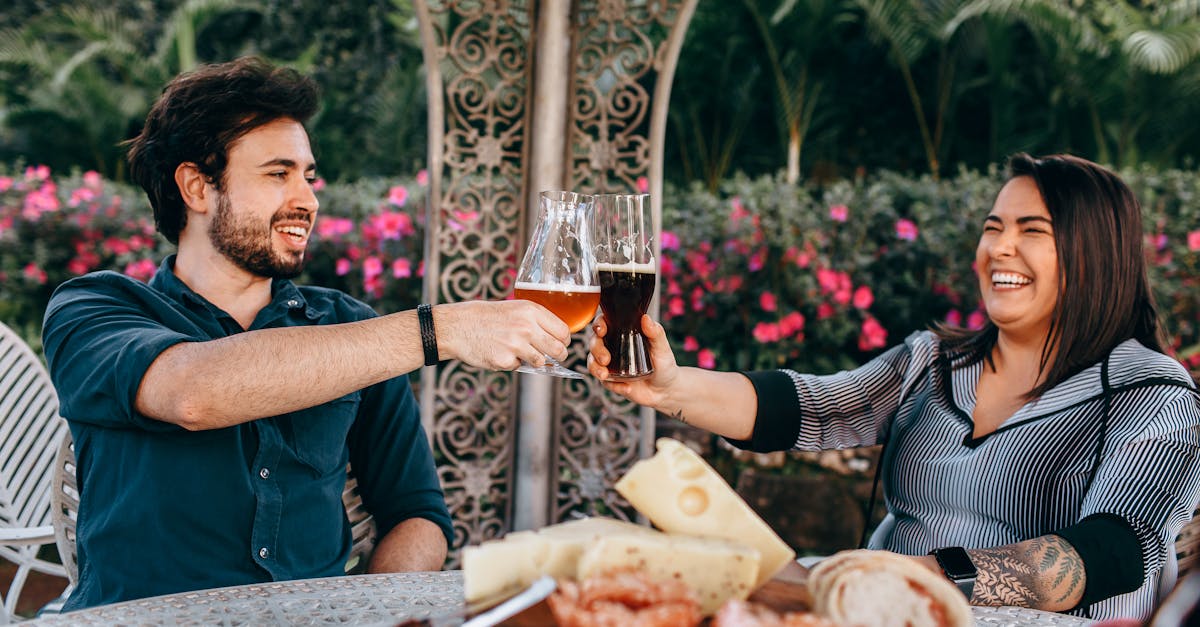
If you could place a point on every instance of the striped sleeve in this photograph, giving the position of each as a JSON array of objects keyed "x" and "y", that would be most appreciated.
[
  {"x": 843, "y": 410},
  {"x": 1149, "y": 479}
]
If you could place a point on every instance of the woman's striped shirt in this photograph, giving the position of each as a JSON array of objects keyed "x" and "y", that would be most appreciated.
[{"x": 1028, "y": 478}]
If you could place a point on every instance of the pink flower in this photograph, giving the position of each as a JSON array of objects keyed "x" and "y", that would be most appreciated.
[
  {"x": 32, "y": 272},
  {"x": 37, "y": 173},
  {"x": 667, "y": 266},
  {"x": 318, "y": 185},
  {"x": 142, "y": 269},
  {"x": 791, "y": 323},
  {"x": 393, "y": 224},
  {"x": 758, "y": 259},
  {"x": 1160, "y": 241},
  {"x": 697, "y": 299},
  {"x": 402, "y": 268},
  {"x": 372, "y": 267},
  {"x": 839, "y": 213},
  {"x": 92, "y": 180},
  {"x": 81, "y": 195},
  {"x": 766, "y": 332},
  {"x": 1194, "y": 240},
  {"x": 824, "y": 311},
  {"x": 670, "y": 241},
  {"x": 872, "y": 335},
  {"x": 705, "y": 359},
  {"x": 737, "y": 210},
  {"x": 766, "y": 300},
  {"x": 421, "y": 268},
  {"x": 906, "y": 230},
  {"x": 675, "y": 306},
  {"x": 460, "y": 217},
  {"x": 643, "y": 184},
  {"x": 954, "y": 318},
  {"x": 333, "y": 227},
  {"x": 117, "y": 247},
  {"x": 422, "y": 177},
  {"x": 827, "y": 279},
  {"x": 863, "y": 297},
  {"x": 975, "y": 320},
  {"x": 6, "y": 183},
  {"x": 398, "y": 195},
  {"x": 842, "y": 296},
  {"x": 342, "y": 266},
  {"x": 690, "y": 344}
]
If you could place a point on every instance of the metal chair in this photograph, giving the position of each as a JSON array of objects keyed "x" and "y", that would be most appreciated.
[
  {"x": 65, "y": 497},
  {"x": 30, "y": 429}
]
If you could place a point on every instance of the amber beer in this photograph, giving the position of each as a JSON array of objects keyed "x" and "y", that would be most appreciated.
[
  {"x": 573, "y": 304},
  {"x": 625, "y": 293}
]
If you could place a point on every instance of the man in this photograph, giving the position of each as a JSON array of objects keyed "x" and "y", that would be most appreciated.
[{"x": 214, "y": 410}]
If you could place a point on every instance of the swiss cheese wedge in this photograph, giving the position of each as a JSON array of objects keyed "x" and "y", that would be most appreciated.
[{"x": 680, "y": 493}]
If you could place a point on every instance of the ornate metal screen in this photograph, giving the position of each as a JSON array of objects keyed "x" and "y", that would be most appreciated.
[{"x": 480, "y": 60}]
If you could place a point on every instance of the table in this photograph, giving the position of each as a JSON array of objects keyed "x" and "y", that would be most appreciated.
[{"x": 366, "y": 599}]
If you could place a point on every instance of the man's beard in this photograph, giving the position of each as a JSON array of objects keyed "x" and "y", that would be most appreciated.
[{"x": 242, "y": 241}]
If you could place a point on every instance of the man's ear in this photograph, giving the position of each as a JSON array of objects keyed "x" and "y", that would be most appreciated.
[{"x": 193, "y": 186}]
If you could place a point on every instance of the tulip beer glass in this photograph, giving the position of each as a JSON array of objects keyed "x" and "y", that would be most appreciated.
[
  {"x": 559, "y": 269},
  {"x": 627, "y": 269}
]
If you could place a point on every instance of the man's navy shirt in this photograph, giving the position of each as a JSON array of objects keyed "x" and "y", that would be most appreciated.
[{"x": 166, "y": 510}]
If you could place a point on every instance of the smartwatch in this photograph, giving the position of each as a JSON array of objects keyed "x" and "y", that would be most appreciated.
[{"x": 958, "y": 568}]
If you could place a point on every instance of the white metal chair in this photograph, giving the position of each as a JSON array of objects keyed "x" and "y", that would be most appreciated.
[
  {"x": 65, "y": 497},
  {"x": 30, "y": 430}
]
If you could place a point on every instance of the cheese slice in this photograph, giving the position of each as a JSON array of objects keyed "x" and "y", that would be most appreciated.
[
  {"x": 518, "y": 559},
  {"x": 680, "y": 493},
  {"x": 716, "y": 569}
]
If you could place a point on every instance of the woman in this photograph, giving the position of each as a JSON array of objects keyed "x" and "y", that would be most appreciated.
[{"x": 1057, "y": 445}]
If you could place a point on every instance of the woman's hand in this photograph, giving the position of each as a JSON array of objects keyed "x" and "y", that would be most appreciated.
[{"x": 651, "y": 391}]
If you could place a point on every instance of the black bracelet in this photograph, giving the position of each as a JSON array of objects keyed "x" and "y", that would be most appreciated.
[{"x": 428, "y": 336}]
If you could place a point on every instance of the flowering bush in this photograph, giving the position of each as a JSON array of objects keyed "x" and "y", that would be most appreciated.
[{"x": 760, "y": 275}]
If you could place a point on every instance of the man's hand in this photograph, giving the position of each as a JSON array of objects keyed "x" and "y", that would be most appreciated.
[{"x": 499, "y": 335}]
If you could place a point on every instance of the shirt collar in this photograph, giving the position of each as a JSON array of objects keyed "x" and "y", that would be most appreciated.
[{"x": 284, "y": 293}]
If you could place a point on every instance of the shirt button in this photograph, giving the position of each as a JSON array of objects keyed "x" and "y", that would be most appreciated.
[
  {"x": 293, "y": 303},
  {"x": 264, "y": 473},
  {"x": 263, "y": 552}
]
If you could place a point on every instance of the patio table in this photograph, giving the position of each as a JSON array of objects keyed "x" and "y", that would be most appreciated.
[{"x": 365, "y": 599}]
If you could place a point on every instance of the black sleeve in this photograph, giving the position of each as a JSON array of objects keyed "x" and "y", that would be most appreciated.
[
  {"x": 774, "y": 430},
  {"x": 1111, "y": 554}
]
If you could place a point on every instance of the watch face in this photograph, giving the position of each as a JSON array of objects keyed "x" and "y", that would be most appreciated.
[{"x": 955, "y": 562}]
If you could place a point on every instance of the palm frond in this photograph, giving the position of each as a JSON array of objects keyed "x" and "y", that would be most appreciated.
[{"x": 1163, "y": 51}]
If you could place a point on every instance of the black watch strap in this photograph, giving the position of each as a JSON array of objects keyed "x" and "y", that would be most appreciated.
[
  {"x": 428, "y": 335},
  {"x": 956, "y": 564}
]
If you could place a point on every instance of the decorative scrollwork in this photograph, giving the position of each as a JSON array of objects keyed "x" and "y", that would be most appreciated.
[{"x": 480, "y": 48}]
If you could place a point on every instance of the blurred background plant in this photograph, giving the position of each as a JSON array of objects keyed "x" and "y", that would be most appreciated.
[{"x": 759, "y": 275}]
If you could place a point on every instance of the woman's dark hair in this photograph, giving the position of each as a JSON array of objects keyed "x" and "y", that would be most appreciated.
[
  {"x": 1104, "y": 296},
  {"x": 199, "y": 115}
]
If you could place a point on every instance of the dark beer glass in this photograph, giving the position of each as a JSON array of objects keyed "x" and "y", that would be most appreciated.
[{"x": 627, "y": 270}]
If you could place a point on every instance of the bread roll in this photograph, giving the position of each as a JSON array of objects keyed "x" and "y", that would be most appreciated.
[{"x": 883, "y": 589}]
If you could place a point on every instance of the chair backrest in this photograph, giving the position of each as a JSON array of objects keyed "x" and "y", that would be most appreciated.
[
  {"x": 29, "y": 431},
  {"x": 65, "y": 495},
  {"x": 1187, "y": 546}
]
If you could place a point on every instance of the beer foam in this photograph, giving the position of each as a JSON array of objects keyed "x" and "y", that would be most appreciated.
[
  {"x": 640, "y": 268},
  {"x": 556, "y": 287}
]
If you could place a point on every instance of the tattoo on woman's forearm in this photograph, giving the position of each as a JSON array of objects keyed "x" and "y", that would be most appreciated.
[
  {"x": 1045, "y": 571},
  {"x": 678, "y": 415}
]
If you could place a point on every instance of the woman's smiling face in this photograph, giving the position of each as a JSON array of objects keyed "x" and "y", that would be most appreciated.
[{"x": 1017, "y": 261}]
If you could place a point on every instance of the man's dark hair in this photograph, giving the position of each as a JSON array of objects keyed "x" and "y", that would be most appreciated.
[
  {"x": 1104, "y": 295},
  {"x": 199, "y": 115}
]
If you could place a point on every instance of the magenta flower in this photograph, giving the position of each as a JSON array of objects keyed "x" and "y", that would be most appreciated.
[
  {"x": 906, "y": 230},
  {"x": 766, "y": 300},
  {"x": 318, "y": 185},
  {"x": 142, "y": 269},
  {"x": 827, "y": 279},
  {"x": 6, "y": 183},
  {"x": 824, "y": 311},
  {"x": 93, "y": 180},
  {"x": 791, "y": 324},
  {"x": 32, "y": 272},
  {"x": 643, "y": 184},
  {"x": 766, "y": 332},
  {"x": 342, "y": 266},
  {"x": 1194, "y": 240},
  {"x": 690, "y": 344},
  {"x": 402, "y": 268},
  {"x": 398, "y": 195},
  {"x": 675, "y": 306},
  {"x": 393, "y": 224},
  {"x": 372, "y": 267},
  {"x": 37, "y": 173},
  {"x": 461, "y": 218},
  {"x": 758, "y": 260},
  {"x": 863, "y": 297},
  {"x": 954, "y": 318},
  {"x": 422, "y": 177},
  {"x": 706, "y": 359},
  {"x": 839, "y": 213},
  {"x": 670, "y": 241},
  {"x": 667, "y": 266},
  {"x": 872, "y": 335},
  {"x": 975, "y": 320},
  {"x": 737, "y": 210},
  {"x": 328, "y": 228},
  {"x": 697, "y": 299},
  {"x": 421, "y": 268}
]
